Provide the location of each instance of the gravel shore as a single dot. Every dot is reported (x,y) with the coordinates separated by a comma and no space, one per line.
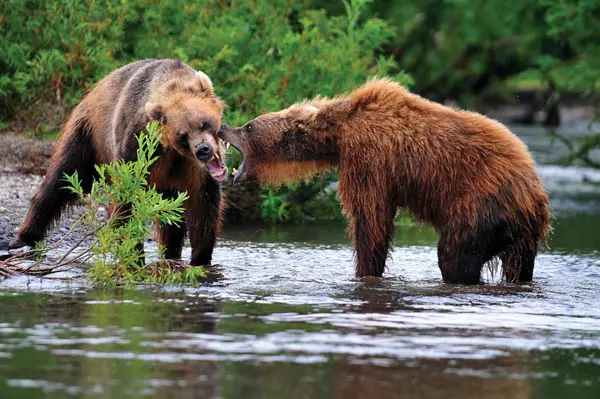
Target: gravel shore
(16,191)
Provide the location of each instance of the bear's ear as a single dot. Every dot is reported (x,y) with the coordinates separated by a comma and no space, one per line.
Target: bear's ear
(310,109)
(333,113)
(303,113)
(155,113)
(204,82)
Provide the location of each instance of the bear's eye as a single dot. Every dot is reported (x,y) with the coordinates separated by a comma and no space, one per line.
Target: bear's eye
(205,126)
(183,139)
(249,127)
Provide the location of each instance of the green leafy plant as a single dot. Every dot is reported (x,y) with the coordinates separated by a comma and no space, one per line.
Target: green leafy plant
(118,240)
(274,206)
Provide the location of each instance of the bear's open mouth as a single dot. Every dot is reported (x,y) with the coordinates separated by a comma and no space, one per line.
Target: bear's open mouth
(237,173)
(217,169)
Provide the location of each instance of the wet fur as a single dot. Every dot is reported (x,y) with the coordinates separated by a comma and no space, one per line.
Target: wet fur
(102,129)
(466,175)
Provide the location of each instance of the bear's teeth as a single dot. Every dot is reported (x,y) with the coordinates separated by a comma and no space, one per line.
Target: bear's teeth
(234,170)
(217,156)
(227,144)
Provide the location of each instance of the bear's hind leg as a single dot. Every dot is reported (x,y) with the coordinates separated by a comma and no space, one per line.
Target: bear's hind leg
(461,261)
(459,265)
(74,154)
(171,237)
(518,261)
(203,219)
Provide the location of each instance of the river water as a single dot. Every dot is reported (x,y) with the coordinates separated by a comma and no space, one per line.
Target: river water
(283,317)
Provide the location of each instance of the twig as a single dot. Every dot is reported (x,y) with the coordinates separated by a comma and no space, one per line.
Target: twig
(75,259)
(568,143)
(5,272)
(63,278)
(60,262)
(34,251)
(74,246)
(582,153)
(70,230)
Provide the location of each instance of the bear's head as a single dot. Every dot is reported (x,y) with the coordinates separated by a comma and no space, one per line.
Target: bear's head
(190,114)
(283,146)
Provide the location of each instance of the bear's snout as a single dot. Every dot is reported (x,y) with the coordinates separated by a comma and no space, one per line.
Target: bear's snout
(204,152)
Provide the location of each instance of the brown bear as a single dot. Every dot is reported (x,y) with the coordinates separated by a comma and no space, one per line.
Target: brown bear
(466,175)
(102,129)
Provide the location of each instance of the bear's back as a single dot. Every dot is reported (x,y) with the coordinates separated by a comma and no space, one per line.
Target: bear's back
(115,107)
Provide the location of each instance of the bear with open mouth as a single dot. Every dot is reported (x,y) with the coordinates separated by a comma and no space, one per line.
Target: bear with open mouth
(466,175)
(102,129)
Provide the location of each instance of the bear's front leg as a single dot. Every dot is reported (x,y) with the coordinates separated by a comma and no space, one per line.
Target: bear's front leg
(371,244)
(372,231)
(171,237)
(371,205)
(203,218)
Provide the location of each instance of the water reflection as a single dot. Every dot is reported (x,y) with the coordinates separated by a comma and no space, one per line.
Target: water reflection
(382,338)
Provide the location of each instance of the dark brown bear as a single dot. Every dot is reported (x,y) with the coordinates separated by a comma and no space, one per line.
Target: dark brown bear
(102,129)
(463,173)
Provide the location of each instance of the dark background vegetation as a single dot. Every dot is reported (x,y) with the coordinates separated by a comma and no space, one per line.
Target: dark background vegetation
(264,55)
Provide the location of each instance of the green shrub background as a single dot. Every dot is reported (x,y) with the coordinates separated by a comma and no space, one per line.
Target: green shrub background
(262,55)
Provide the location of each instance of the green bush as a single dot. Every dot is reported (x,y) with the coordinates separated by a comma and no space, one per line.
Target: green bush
(480,51)
(459,49)
(51,51)
(262,55)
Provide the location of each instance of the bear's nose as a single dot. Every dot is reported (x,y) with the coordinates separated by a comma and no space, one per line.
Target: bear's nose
(204,152)
(223,127)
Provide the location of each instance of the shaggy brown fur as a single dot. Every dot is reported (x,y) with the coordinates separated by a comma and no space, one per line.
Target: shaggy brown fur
(102,129)
(465,174)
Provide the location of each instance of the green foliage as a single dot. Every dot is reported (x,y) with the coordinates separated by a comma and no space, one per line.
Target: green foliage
(273,205)
(575,25)
(53,50)
(262,55)
(312,200)
(117,255)
(461,49)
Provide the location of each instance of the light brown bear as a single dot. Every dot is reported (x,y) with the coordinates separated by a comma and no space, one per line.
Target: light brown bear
(102,129)
(466,175)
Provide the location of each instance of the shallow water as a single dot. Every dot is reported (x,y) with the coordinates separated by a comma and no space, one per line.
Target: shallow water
(283,317)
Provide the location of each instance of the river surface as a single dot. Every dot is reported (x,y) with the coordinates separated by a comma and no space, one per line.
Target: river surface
(283,317)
